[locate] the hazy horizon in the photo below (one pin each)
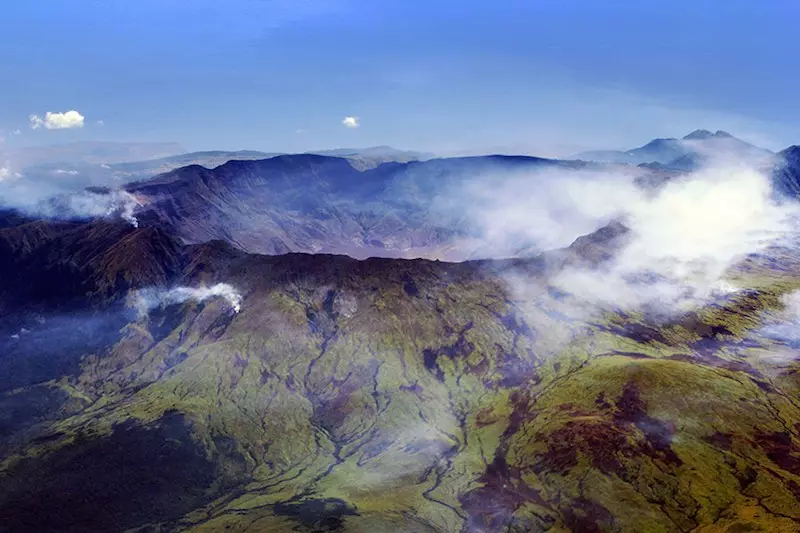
(474, 152)
(278, 76)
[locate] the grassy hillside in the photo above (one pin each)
(392, 395)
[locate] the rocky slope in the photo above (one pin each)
(787, 172)
(318, 204)
(382, 395)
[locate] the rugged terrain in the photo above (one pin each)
(361, 203)
(321, 204)
(165, 377)
(382, 395)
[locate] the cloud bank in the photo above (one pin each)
(684, 234)
(145, 300)
(57, 121)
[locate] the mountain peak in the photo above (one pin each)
(706, 134)
(698, 134)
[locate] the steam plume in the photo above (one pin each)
(89, 204)
(44, 196)
(145, 300)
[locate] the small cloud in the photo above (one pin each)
(351, 122)
(57, 121)
(6, 174)
(101, 123)
(16, 132)
(68, 172)
(300, 131)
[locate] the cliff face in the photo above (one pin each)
(381, 395)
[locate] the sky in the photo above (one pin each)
(543, 77)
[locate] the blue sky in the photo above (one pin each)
(548, 77)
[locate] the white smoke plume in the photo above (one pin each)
(145, 300)
(90, 205)
(791, 303)
(61, 194)
(51, 198)
(785, 324)
(782, 329)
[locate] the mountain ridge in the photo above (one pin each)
(313, 203)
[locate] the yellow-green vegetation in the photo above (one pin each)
(427, 397)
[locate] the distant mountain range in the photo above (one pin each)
(89, 153)
(363, 203)
(114, 163)
(363, 158)
(700, 147)
(687, 153)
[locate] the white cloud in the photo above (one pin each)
(58, 121)
(101, 123)
(16, 132)
(351, 122)
(67, 172)
(683, 238)
(5, 172)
